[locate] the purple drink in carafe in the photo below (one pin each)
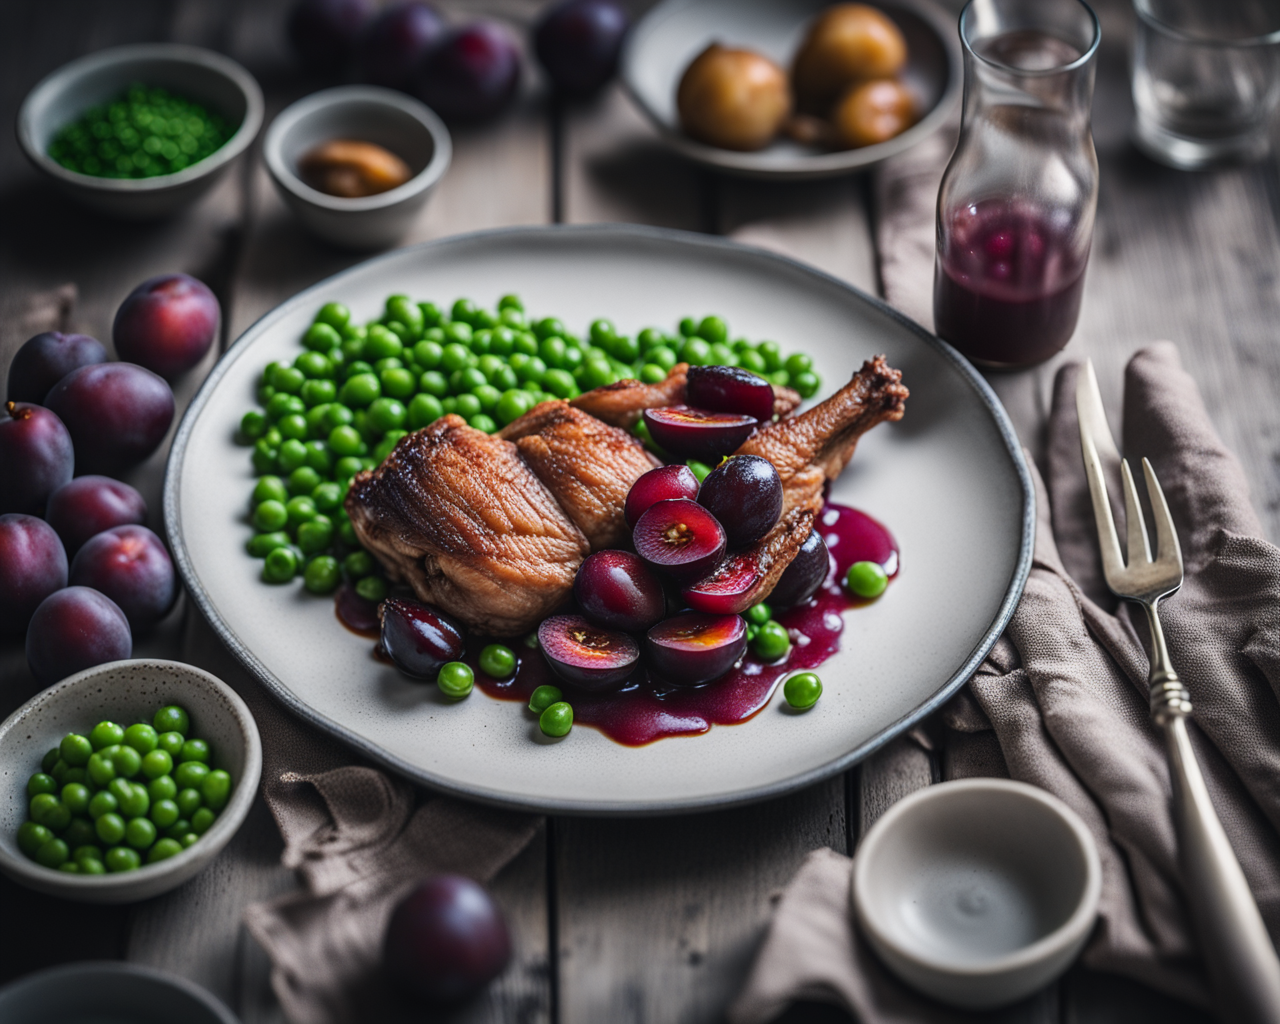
(1007, 284)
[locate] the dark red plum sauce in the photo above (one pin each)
(1007, 284)
(645, 709)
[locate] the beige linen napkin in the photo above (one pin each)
(1061, 703)
(359, 840)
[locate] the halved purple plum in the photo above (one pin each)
(745, 493)
(661, 484)
(696, 434)
(616, 590)
(680, 538)
(695, 648)
(730, 389)
(587, 656)
(418, 638)
(806, 573)
(728, 590)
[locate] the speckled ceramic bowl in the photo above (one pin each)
(109, 992)
(977, 892)
(202, 75)
(126, 692)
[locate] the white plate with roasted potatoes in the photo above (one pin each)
(794, 88)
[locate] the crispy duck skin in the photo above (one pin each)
(460, 517)
(588, 465)
(621, 404)
(807, 451)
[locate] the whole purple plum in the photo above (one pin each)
(33, 565)
(324, 32)
(75, 629)
(36, 456)
(130, 565)
(45, 359)
(396, 41)
(166, 324)
(446, 940)
(578, 42)
(473, 73)
(88, 505)
(117, 414)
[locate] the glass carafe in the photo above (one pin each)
(1017, 202)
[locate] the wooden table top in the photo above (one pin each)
(653, 920)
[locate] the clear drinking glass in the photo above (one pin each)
(1017, 202)
(1206, 79)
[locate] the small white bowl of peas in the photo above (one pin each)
(123, 781)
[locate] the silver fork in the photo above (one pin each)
(1242, 962)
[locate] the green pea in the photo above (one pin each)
(346, 441)
(59, 771)
(79, 832)
(866, 579)
(86, 852)
(315, 536)
(806, 383)
(171, 742)
(264, 457)
(560, 383)
(164, 813)
(721, 354)
(269, 516)
(358, 564)
(772, 643)
(286, 380)
(497, 661)
(713, 329)
(41, 783)
(700, 469)
(688, 327)
(543, 697)
(336, 415)
(467, 406)
(455, 357)
(92, 866)
(74, 775)
(434, 383)
(253, 425)
(321, 337)
(355, 367)
(482, 422)
(216, 789)
(596, 374)
(121, 789)
(110, 828)
(322, 575)
(319, 457)
(292, 455)
(347, 532)
(32, 836)
(511, 301)
(201, 820)
(512, 405)
(385, 446)
(455, 679)
(194, 750)
(269, 488)
(105, 734)
(159, 763)
(318, 392)
(758, 614)
(69, 867)
(327, 496)
(162, 787)
(47, 810)
(664, 357)
(189, 800)
(381, 343)
(335, 314)
(313, 366)
(263, 544)
(397, 383)
(101, 769)
(751, 360)
(76, 796)
(190, 774)
(372, 588)
(103, 803)
(556, 719)
(280, 566)
(771, 353)
(625, 348)
(696, 352)
(428, 354)
(137, 803)
(52, 854)
(140, 833)
(651, 373)
(387, 414)
(303, 481)
(120, 858)
(301, 509)
(163, 850)
(345, 468)
(360, 390)
(798, 362)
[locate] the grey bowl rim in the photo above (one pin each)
(985, 393)
(59, 79)
(819, 165)
(78, 969)
(1074, 929)
(423, 181)
(224, 827)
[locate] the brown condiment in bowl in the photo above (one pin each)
(350, 169)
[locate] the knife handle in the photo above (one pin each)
(1242, 962)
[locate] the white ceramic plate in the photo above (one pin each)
(949, 480)
(664, 41)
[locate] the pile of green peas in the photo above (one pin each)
(356, 389)
(102, 802)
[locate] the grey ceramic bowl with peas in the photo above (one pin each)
(144, 700)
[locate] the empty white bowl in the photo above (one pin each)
(126, 692)
(218, 83)
(977, 892)
(106, 991)
(365, 113)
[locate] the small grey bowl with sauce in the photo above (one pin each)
(977, 892)
(364, 113)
